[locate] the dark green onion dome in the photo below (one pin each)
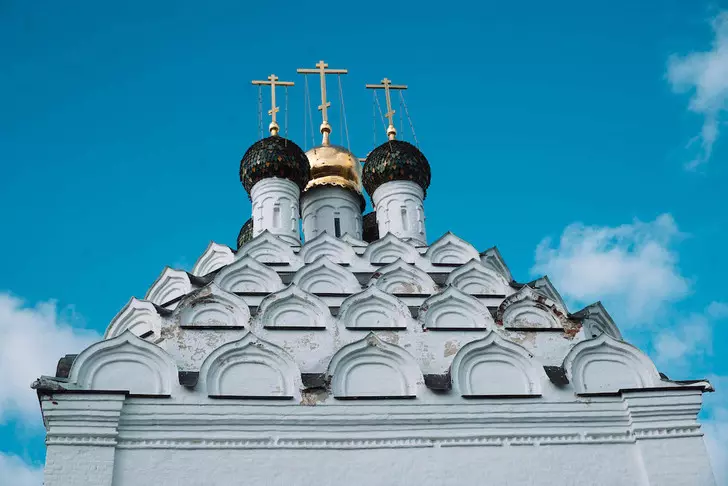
(274, 157)
(395, 160)
(246, 233)
(370, 229)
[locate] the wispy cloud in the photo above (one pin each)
(33, 339)
(690, 337)
(634, 264)
(704, 75)
(19, 472)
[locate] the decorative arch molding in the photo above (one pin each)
(215, 257)
(353, 241)
(372, 368)
(247, 275)
(389, 249)
(453, 309)
(528, 309)
(544, 286)
(140, 317)
(596, 320)
(374, 309)
(326, 277)
(292, 308)
(170, 285)
(125, 363)
(402, 278)
(604, 364)
(212, 307)
(492, 259)
(250, 368)
(449, 249)
(475, 279)
(494, 366)
(267, 248)
(325, 245)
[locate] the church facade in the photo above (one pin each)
(358, 353)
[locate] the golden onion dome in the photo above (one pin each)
(333, 165)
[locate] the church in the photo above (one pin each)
(333, 347)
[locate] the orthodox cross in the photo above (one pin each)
(322, 70)
(273, 82)
(386, 86)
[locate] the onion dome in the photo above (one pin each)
(370, 229)
(274, 157)
(333, 165)
(396, 160)
(246, 233)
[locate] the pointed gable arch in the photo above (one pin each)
(140, 317)
(372, 368)
(544, 286)
(374, 309)
(326, 277)
(267, 248)
(325, 245)
(492, 259)
(292, 308)
(389, 249)
(215, 257)
(212, 307)
(170, 285)
(453, 309)
(449, 249)
(402, 278)
(604, 364)
(528, 309)
(493, 366)
(250, 368)
(353, 241)
(475, 279)
(247, 275)
(125, 363)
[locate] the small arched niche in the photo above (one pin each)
(529, 310)
(374, 309)
(170, 285)
(292, 308)
(267, 248)
(250, 368)
(449, 250)
(493, 366)
(402, 278)
(372, 368)
(454, 310)
(604, 364)
(326, 277)
(326, 245)
(389, 249)
(212, 307)
(140, 317)
(475, 279)
(246, 275)
(125, 363)
(215, 257)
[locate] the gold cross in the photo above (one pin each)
(321, 69)
(386, 86)
(273, 82)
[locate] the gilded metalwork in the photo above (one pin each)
(273, 82)
(332, 165)
(322, 70)
(386, 86)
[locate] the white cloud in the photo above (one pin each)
(690, 337)
(33, 339)
(705, 75)
(21, 473)
(631, 264)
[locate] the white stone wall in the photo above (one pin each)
(400, 210)
(276, 209)
(322, 207)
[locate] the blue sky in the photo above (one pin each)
(584, 140)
